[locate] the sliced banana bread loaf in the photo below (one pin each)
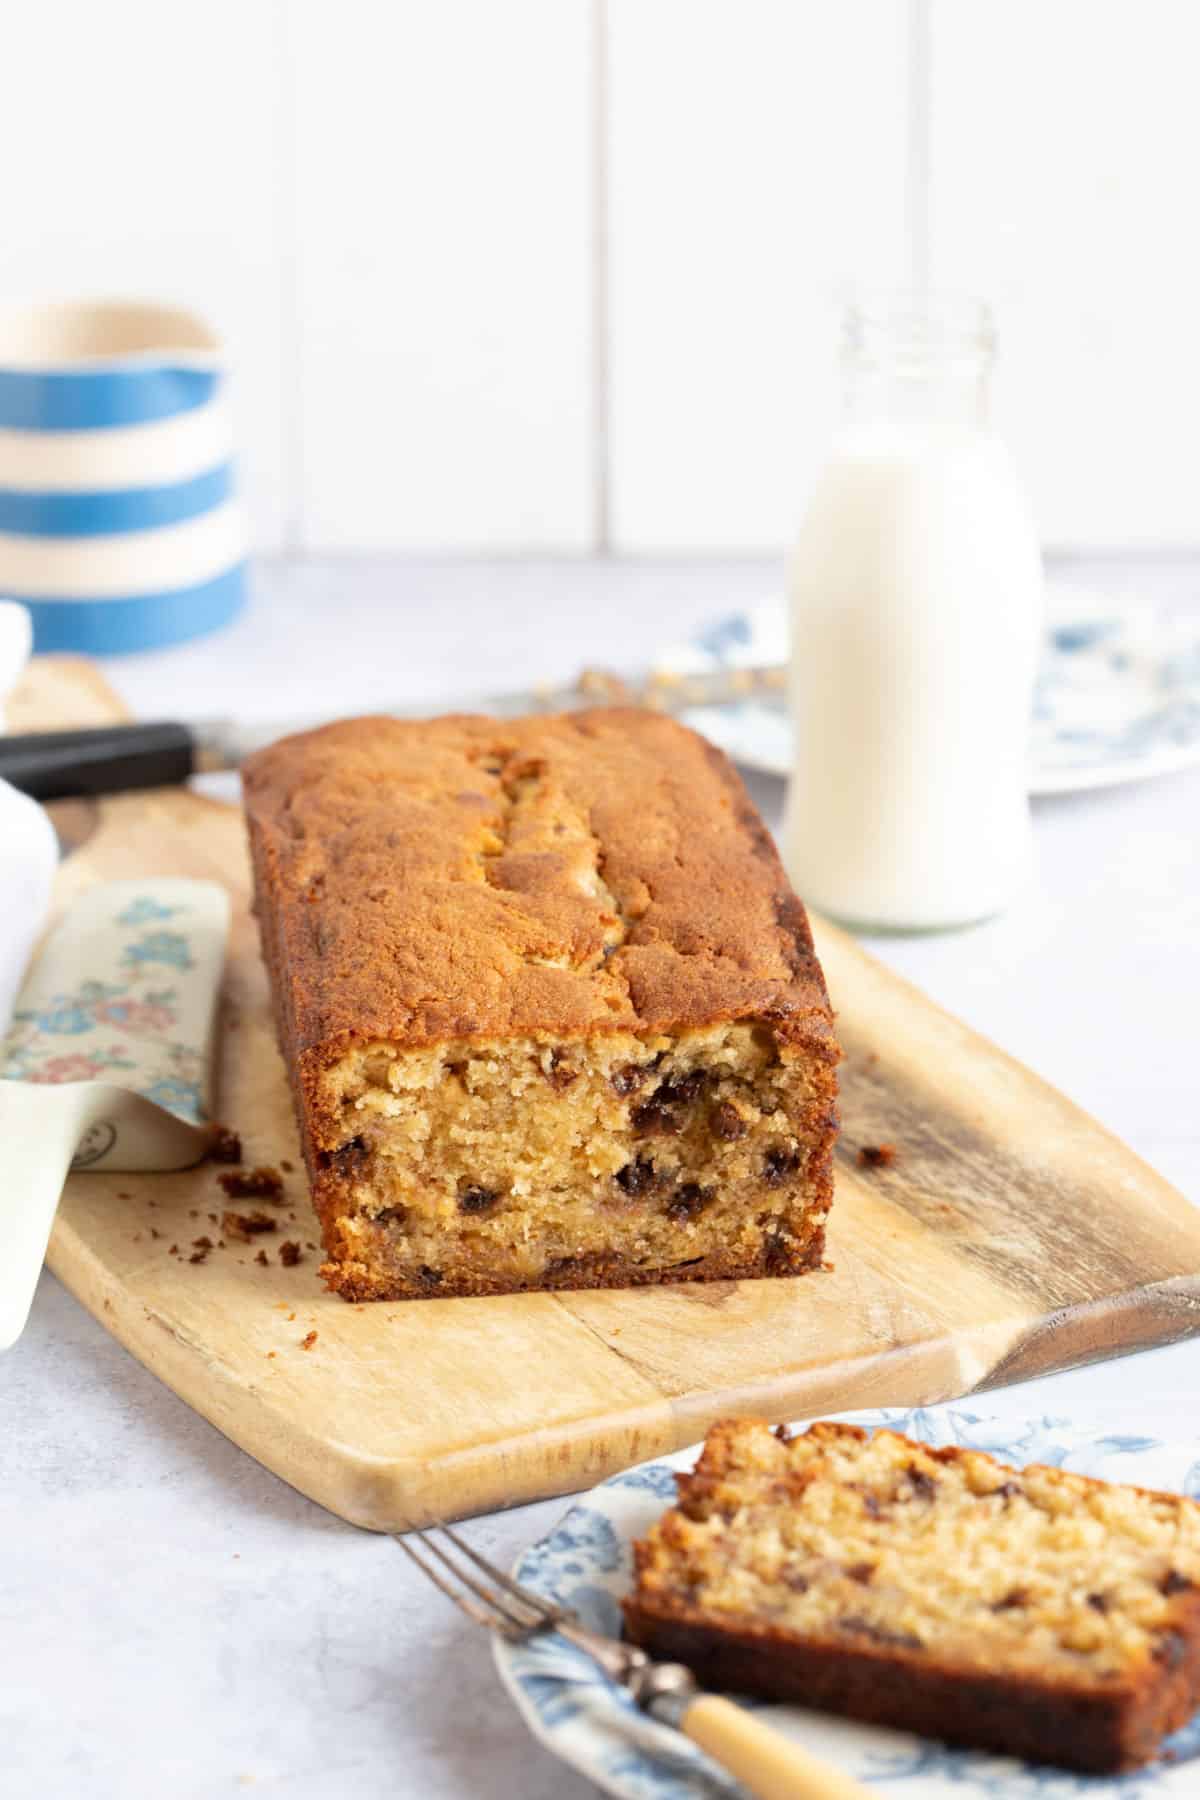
(549, 1007)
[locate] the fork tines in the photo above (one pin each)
(507, 1607)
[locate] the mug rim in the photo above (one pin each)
(51, 337)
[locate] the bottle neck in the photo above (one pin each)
(917, 359)
(935, 397)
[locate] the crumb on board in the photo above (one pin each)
(306, 1343)
(154, 1232)
(225, 1146)
(270, 1354)
(202, 1243)
(253, 1184)
(198, 1256)
(174, 1250)
(290, 1253)
(285, 1165)
(246, 1225)
(876, 1156)
(263, 1258)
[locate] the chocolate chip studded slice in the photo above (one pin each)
(474, 1200)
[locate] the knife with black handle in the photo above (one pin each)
(114, 759)
(109, 759)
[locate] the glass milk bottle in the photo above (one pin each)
(915, 595)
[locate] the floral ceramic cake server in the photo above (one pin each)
(107, 1063)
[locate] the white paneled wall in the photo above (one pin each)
(140, 151)
(757, 159)
(562, 275)
(1065, 150)
(442, 157)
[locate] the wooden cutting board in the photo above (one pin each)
(1011, 1236)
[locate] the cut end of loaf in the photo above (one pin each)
(485, 1167)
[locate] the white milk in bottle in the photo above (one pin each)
(916, 606)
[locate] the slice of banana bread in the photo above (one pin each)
(550, 1009)
(1034, 1612)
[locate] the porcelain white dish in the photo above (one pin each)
(1118, 694)
(585, 1564)
(16, 643)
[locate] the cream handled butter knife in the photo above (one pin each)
(108, 1061)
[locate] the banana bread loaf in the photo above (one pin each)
(550, 1010)
(1034, 1612)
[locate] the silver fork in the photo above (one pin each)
(770, 1765)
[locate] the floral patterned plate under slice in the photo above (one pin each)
(585, 1564)
(1118, 694)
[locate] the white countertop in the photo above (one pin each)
(180, 1621)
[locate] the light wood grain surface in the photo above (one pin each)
(1012, 1235)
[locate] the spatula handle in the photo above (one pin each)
(38, 1135)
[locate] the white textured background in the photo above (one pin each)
(561, 275)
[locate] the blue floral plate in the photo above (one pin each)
(1118, 694)
(585, 1564)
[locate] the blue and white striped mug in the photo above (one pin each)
(119, 525)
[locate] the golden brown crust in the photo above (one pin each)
(468, 879)
(412, 900)
(1100, 1725)
(356, 1280)
(1097, 1730)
